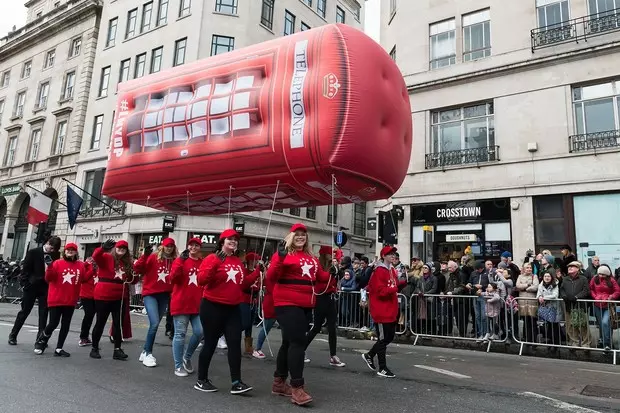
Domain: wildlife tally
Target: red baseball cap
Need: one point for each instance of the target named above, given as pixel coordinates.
(388, 250)
(327, 250)
(122, 244)
(71, 246)
(252, 256)
(195, 241)
(299, 227)
(229, 233)
(168, 242)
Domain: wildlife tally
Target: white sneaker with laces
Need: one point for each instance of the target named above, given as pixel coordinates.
(221, 343)
(336, 362)
(150, 361)
(494, 337)
(142, 356)
(258, 354)
(180, 372)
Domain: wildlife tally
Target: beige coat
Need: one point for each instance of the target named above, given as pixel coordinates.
(527, 285)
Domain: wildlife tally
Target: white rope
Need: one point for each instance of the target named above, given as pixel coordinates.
(230, 188)
(333, 242)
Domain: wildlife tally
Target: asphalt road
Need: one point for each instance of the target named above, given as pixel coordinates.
(428, 379)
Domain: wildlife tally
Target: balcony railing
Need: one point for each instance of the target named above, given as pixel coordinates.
(574, 30)
(101, 210)
(462, 157)
(593, 141)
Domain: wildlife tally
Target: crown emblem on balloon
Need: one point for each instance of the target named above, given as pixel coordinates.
(330, 86)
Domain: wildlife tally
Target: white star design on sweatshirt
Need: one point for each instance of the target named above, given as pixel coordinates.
(119, 274)
(305, 269)
(68, 278)
(96, 279)
(193, 280)
(232, 275)
(161, 275)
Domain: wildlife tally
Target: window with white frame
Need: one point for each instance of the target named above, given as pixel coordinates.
(156, 59)
(222, 44)
(477, 35)
(552, 13)
(50, 58)
(95, 140)
(26, 69)
(304, 27)
(307, 2)
(147, 15)
(112, 29)
(140, 69)
(602, 8)
(76, 47)
(185, 8)
(604, 15)
(266, 17)
(458, 129)
(359, 219)
(35, 143)
(226, 6)
(11, 148)
(59, 138)
(321, 7)
(443, 44)
(340, 16)
(597, 107)
(289, 23)
(392, 7)
(179, 52)
(162, 12)
(44, 90)
(132, 21)
(20, 102)
(6, 79)
(104, 81)
(123, 74)
(69, 84)
(93, 185)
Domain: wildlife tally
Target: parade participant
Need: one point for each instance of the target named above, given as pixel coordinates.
(32, 280)
(327, 306)
(224, 277)
(87, 299)
(247, 306)
(64, 277)
(156, 289)
(185, 306)
(126, 332)
(269, 318)
(293, 271)
(383, 293)
(115, 268)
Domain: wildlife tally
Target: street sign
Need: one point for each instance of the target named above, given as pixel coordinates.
(169, 223)
(371, 224)
(461, 238)
(340, 239)
(239, 227)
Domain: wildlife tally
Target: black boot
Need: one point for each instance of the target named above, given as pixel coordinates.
(12, 340)
(94, 353)
(119, 354)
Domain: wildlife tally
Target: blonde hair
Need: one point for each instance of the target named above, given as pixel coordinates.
(160, 253)
(288, 240)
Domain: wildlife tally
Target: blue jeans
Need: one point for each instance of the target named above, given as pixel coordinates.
(602, 318)
(246, 318)
(178, 342)
(265, 328)
(156, 306)
(481, 317)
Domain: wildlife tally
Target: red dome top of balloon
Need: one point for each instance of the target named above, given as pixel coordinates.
(306, 110)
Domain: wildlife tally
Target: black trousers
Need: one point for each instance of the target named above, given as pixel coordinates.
(326, 308)
(385, 335)
(88, 305)
(293, 323)
(104, 309)
(218, 319)
(32, 293)
(59, 315)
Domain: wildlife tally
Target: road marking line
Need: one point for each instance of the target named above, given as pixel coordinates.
(442, 371)
(320, 339)
(600, 371)
(559, 403)
(11, 325)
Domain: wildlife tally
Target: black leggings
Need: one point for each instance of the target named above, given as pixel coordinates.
(293, 323)
(325, 309)
(88, 305)
(104, 309)
(59, 315)
(218, 319)
(385, 335)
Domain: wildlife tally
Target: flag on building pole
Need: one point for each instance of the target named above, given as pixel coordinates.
(74, 203)
(39, 208)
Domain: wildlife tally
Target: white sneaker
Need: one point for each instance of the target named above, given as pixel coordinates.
(221, 343)
(494, 337)
(336, 362)
(364, 329)
(486, 337)
(180, 372)
(258, 354)
(150, 361)
(307, 360)
(480, 339)
(142, 356)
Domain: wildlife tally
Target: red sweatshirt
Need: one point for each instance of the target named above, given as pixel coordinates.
(294, 279)
(64, 279)
(326, 287)
(155, 274)
(224, 281)
(186, 293)
(269, 310)
(87, 290)
(110, 279)
(604, 292)
(383, 294)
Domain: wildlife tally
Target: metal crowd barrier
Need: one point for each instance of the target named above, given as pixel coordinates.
(11, 291)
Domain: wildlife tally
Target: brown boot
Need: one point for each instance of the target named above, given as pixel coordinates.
(248, 346)
(280, 387)
(300, 397)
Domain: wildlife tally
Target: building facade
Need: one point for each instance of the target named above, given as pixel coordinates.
(137, 38)
(45, 75)
(515, 107)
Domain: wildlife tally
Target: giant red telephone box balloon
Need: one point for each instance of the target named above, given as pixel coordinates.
(297, 113)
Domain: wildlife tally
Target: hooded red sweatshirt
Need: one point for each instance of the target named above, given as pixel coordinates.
(87, 290)
(383, 294)
(155, 274)
(110, 279)
(186, 293)
(224, 282)
(269, 310)
(294, 279)
(64, 278)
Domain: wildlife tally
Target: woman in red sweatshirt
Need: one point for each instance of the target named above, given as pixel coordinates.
(247, 306)
(156, 289)
(185, 306)
(383, 305)
(294, 271)
(87, 299)
(224, 277)
(115, 269)
(64, 277)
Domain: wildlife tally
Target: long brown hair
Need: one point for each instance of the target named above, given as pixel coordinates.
(125, 262)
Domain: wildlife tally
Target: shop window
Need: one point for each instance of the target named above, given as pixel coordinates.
(550, 227)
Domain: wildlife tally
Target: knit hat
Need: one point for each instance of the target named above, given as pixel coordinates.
(602, 270)
(550, 259)
(430, 266)
(502, 265)
(506, 254)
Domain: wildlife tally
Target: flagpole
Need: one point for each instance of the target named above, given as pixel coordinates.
(98, 199)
